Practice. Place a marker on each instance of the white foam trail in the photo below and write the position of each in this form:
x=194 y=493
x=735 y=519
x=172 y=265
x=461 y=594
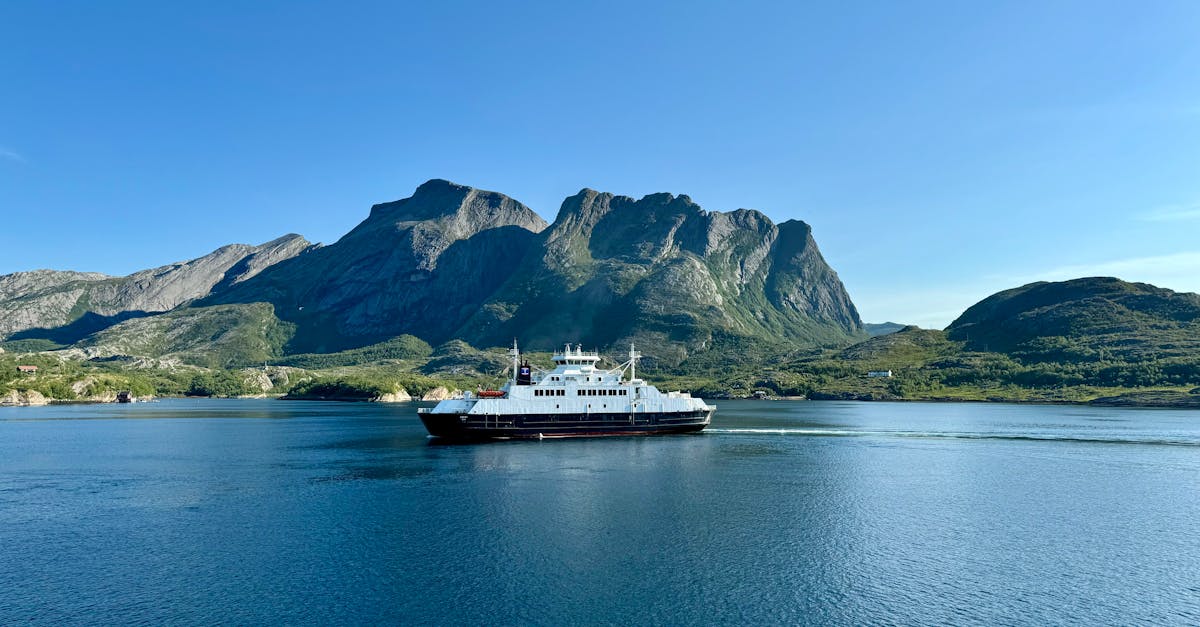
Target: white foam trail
x=1032 y=437
x=793 y=431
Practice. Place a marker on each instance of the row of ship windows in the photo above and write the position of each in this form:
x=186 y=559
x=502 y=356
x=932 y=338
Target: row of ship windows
x=601 y=392
x=581 y=392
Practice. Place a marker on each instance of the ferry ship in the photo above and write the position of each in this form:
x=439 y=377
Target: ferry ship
x=576 y=398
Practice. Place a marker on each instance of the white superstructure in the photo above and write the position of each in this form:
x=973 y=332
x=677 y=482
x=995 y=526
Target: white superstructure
x=575 y=386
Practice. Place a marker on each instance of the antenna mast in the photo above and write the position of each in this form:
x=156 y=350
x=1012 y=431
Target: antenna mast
x=633 y=357
x=516 y=355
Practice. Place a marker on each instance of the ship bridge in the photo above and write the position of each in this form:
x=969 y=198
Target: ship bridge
x=573 y=368
x=575 y=358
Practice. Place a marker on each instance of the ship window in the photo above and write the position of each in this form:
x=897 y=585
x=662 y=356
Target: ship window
x=562 y=392
x=579 y=392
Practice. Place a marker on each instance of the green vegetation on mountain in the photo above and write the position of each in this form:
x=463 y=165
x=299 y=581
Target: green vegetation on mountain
x=222 y=336
x=60 y=378
x=343 y=388
x=403 y=348
x=1078 y=340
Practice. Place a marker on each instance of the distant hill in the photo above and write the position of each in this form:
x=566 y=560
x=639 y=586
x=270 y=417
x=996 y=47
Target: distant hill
x=1099 y=318
x=1084 y=339
x=875 y=329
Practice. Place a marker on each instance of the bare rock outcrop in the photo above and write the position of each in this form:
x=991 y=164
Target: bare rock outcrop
x=438 y=393
x=399 y=396
x=23 y=398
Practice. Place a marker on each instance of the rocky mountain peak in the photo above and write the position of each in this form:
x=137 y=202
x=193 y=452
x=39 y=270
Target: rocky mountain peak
x=459 y=208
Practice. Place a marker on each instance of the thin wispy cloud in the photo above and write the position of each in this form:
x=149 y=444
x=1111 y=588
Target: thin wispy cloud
x=1172 y=213
x=9 y=155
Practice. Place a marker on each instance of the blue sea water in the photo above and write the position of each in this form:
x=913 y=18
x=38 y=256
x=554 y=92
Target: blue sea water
x=251 y=512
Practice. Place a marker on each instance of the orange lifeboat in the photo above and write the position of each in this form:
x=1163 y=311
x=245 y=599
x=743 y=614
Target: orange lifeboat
x=490 y=393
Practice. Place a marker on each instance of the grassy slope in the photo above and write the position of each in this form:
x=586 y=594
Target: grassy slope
x=927 y=365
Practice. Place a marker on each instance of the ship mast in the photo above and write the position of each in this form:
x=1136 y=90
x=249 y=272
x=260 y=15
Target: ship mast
x=633 y=357
x=516 y=355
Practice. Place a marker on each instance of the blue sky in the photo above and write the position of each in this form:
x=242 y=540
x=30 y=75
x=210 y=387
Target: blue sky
x=941 y=150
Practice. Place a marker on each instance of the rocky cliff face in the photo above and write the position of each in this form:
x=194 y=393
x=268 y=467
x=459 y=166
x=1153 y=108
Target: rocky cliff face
x=48 y=300
x=420 y=265
x=664 y=272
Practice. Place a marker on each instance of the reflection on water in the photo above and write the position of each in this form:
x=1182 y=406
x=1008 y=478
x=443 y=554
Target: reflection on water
x=198 y=511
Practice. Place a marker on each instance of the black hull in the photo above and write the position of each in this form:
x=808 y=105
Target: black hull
x=537 y=426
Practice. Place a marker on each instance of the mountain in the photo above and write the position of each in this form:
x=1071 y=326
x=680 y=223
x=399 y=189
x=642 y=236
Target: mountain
x=666 y=273
x=453 y=262
x=1095 y=339
x=420 y=266
x=875 y=329
x=66 y=306
x=1081 y=319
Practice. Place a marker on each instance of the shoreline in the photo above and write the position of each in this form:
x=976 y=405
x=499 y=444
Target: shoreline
x=1153 y=399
